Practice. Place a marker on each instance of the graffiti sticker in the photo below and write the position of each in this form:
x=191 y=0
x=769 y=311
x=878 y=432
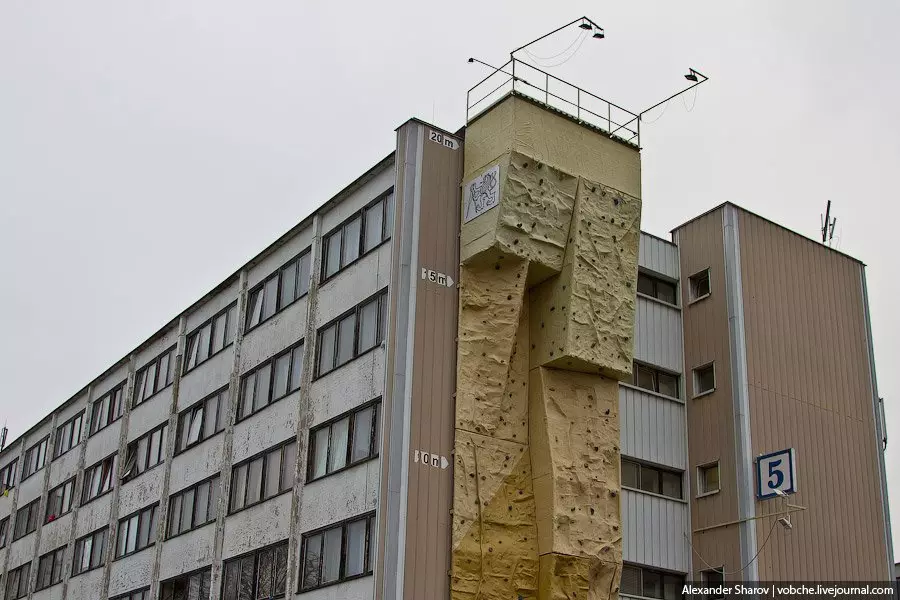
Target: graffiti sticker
x=482 y=193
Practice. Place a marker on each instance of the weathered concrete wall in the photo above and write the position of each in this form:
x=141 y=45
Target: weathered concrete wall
x=545 y=333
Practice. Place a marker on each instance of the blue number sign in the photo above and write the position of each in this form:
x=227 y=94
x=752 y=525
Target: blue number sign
x=776 y=471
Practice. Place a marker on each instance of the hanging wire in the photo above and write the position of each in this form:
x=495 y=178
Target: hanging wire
x=703 y=560
x=693 y=103
x=579 y=40
x=551 y=57
x=665 y=108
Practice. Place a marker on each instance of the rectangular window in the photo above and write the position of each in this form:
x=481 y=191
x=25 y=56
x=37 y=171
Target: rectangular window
x=50 y=568
x=27 y=519
x=262 y=476
x=90 y=552
x=108 y=408
x=192 y=586
x=361 y=233
x=35 y=458
x=8 y=476
x=651 y=583
x=193 y=507
x=98 y=479
x=279 y=290
x=4 y=531
x=68 y=435
x=337 y=553
x=137 y=531
x=145 y=452
x=704 y=379
x=655 y=287
x=262 y=574
x=655 y=380
x=210 y=338
x=344 y=441
x=655 y=480
x=17 y=582
x=143 y=594
x=708 y=479
x=59 y=501
x=352 y=334
x=155 y=376
x=713 y=578
x=271 y=381
x=699 y=283
x=202 y=420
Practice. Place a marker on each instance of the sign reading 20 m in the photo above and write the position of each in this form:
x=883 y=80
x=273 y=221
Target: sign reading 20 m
x=776 y=472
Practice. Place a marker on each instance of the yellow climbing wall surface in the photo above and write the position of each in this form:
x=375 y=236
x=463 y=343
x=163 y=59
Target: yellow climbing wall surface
x=547 y=294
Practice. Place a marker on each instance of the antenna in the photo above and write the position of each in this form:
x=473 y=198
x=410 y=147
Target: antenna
x=827 y=225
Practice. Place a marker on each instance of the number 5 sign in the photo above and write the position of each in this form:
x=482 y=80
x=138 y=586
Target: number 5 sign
x=776 y=471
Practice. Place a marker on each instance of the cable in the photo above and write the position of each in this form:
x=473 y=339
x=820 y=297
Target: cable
x=537 y=57
x=665 y=108
x=565 y=60
x=693 y=104
x=742 y=568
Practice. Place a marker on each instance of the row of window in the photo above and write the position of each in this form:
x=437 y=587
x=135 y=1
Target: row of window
x=358 y=235
x=271 y=381
x=664 y=289
x=278 y=291
x=210 y=338
x=647 y=478
x=353 y=333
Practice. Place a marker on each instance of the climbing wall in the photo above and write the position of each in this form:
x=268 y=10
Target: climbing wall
x=549 y=264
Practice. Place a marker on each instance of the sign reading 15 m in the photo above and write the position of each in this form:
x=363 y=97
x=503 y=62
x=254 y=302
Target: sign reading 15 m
x=776 y=472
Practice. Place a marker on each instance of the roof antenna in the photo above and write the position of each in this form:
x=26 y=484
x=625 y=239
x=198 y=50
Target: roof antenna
x=827 y=225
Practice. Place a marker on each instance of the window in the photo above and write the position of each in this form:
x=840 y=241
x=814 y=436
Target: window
x=713 y=578
x=90 y=552
x=655 y=480
x=145 y=452
x=650 y=583
x=17 y=582
x=280 y=289
x=655 y=380
x=4 y=531
x=210 y=338
x=59 y=501
x=655 y=287
x=50 y=568
x=202 y=420
x=263 y=476
x=108 y=408
x=155 y=376
x=358 y=235
x=337 y=553
x=27 y=519
x=193 y=507
x=704 y=379
x=193 y=586
x=259 y=575
x=143 y=594
x=351 y=334
x=271 y=381
x=708 y=479
x=35 y=458
x=699 y=285
x=8 y=477
x=137 y=531
x=345 y=441
x=68 y=435
x=98 y=479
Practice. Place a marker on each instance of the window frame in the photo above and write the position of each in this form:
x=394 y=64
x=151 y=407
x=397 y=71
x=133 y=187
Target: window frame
x=103 y=532
x=110 y=417
x=700 y=479
x=72 y=443
x=29 y=454
x=138 y=594
x=661 y=572
x=222 y=395
x=186 y=577
x=306 y=252
x=71 y=481
x=256 y=554
x=211 y=510
x=132 y=449
x=155 y=362
x=31 y=517
x=380 y=297
x=52 y=556
x=367 y=571
x=361 y=215
x=112 y=478
x=4 y=531
x=374 y=436
x=696 y=375
x=271 y=398
x=151 y=512
x=8 y=475
x=263 y=474
x=637 y=364
x=693 y=285
x=186 y=367
x=656 y=279
x=660 y=471
x=19 y=581
x=704 y=576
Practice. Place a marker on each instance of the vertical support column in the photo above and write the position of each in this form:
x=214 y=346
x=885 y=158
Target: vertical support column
x=12 y=516
x=42 y=509
x=303 y=411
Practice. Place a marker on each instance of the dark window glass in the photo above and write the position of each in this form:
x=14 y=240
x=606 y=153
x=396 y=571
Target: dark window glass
x=90 y=552
x=361 y=233
x=271 y=381
x=107 y=409
x=712 y=578
x=4 y=531
x=136 y=532
x=655 y=287
x=193 y=507
x=336 y=553
x=700 y=285
x=59 y=501
x=651 y=479
x=157 y=375
x=68 y=435
x=17 y=582
x=655 y=380
x=50 y=568
x=256 y=576
x=261 y=477
x=192 y=586
x=8 y=476
x=35 y=458
x=145 y=452
x=210 y=338
x=345 y=440
x=709 y=478
x=27 y=519
x=98 y=479
x=202 y=420
x=704 y=380
x=651 y=583
x=143 y=594
x=342 y=340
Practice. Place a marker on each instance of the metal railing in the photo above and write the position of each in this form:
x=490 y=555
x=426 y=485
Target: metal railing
x=527 y=80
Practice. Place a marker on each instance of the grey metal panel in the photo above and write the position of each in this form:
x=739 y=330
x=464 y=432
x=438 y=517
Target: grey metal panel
x=657 y=335
x=653 y=531
x=658 y=255
x=652 y=428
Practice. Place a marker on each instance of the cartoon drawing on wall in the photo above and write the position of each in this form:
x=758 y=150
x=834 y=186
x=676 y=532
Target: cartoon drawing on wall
x=482 y=193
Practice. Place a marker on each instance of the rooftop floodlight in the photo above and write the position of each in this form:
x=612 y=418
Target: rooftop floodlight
x=585 y=25
x=471 y=60
x=598 y=34
x=691 y=75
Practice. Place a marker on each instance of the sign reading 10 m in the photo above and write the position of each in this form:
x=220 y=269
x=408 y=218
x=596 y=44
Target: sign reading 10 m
x=776 y=472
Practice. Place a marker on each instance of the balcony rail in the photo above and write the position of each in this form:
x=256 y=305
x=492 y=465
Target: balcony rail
x=517 y=77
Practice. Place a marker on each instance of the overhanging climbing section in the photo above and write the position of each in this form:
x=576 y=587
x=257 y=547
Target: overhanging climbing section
x=549 y=243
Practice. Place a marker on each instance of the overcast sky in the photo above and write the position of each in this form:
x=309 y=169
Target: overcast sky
x=148 y=149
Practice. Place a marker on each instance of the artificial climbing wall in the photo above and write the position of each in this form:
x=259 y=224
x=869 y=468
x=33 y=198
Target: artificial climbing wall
x=549 y=246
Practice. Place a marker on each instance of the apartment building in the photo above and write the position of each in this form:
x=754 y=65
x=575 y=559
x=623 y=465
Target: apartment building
x=291 y=434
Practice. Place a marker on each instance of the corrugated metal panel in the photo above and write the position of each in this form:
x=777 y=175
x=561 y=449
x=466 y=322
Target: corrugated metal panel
x=653 y=531
x=652 y=428
x=658 y=255
x=810 y=389
x=657 y=335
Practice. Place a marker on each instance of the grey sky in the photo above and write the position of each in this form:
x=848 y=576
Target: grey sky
x=147 y=149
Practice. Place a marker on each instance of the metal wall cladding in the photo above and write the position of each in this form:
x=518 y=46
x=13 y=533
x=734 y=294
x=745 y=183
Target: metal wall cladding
x=657 y=335
x=652 y=428
x=658 y=255
x=653 y=531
